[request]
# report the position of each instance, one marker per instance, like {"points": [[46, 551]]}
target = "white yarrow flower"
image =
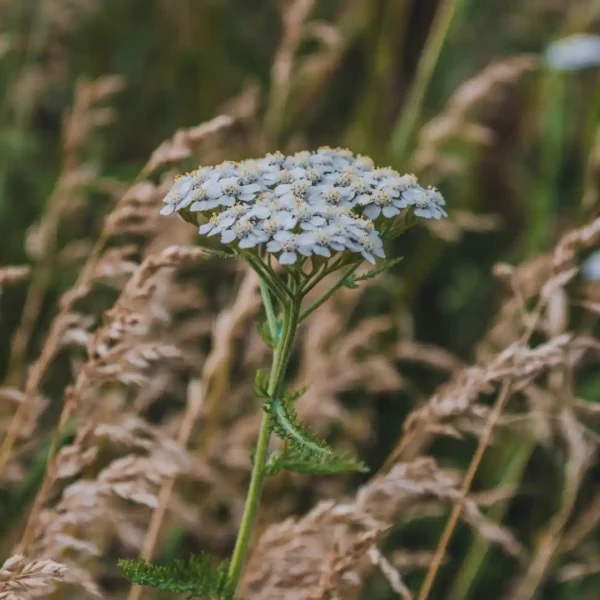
{"points": [[312, 204]]}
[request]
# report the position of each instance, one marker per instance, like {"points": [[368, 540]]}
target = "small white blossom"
{"points": [[181, 194], [381, 202], [287, 243], [428, 203]]}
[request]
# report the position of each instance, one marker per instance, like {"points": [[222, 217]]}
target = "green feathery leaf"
{"points": [[302, 460], [289, 428], [293, 396], [202, 576], [304, 452]]}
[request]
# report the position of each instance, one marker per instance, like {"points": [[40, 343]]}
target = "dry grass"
{"points": [[20, 579]]}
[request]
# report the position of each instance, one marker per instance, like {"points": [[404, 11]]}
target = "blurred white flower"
{"points": [[574, 52], [591, 267]]}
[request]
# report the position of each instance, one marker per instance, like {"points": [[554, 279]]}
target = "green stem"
{"points": [[317, 303], [543, 199], [276, 380], [408, 121], [320, 275], [270, 279], [270, 312]]}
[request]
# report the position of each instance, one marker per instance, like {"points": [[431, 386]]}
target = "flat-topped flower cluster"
{"points": [[312, 203]]}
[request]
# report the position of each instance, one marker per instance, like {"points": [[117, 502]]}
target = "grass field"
{"points": [[466, 377]]}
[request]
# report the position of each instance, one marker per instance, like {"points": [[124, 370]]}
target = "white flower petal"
{"points": [[213, 189], [288, 258], [414, 195], [251, 188], [306, 239], [274, 246], [260, 212], [199, 206], [372, 211], [228, 236], [401, 203], [308, 226], [248, 242], [284, 236], [261, 237], [388, 211], [226, 222], [322, 251], [368, 256]]}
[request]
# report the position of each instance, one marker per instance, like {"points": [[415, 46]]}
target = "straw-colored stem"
{"points": [[484, 440]]}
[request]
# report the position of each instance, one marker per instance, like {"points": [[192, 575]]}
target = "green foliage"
{"points": [[300, 459], [202, 576], [352, 280], [212, 253], [264, 331], [304, 452], [261, 384]]}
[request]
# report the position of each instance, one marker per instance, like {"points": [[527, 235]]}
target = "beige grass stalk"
{"points": [[497, 409], [293, 17], [40, 367], [440, 551], [80, 122], [49, 475], [578, 454], [20, 578], [42, 277]]}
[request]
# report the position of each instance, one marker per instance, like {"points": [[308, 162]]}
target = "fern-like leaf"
{"points": [[289, 428], [301, 460], [201, 576], [304, 452]]}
